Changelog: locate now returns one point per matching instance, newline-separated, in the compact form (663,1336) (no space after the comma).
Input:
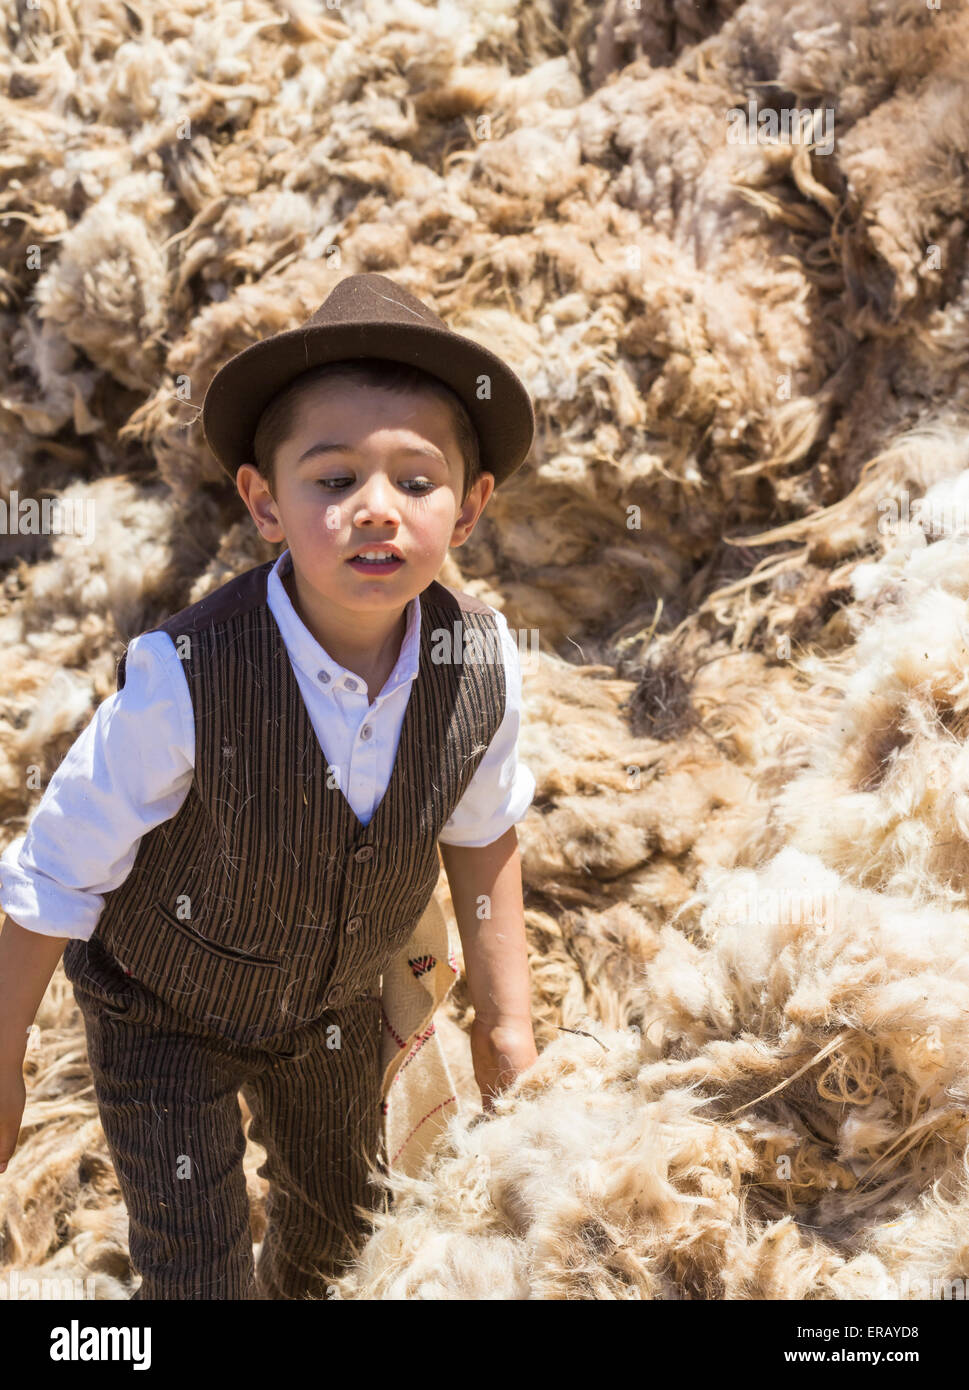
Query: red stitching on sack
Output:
(418,1125)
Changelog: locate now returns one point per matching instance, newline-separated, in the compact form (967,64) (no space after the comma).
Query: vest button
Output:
(365,731)
(364,853)
(335,995)
(351,683)
(354,924)
(324,676)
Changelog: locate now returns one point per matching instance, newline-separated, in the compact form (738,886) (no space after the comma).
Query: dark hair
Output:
(277,420)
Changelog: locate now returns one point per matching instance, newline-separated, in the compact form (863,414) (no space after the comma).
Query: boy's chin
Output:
(382,591)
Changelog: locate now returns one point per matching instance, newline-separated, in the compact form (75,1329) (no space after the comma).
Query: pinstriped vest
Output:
(264,902)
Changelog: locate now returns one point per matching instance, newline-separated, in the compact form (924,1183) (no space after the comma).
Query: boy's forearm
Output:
(28,959)
(486,889)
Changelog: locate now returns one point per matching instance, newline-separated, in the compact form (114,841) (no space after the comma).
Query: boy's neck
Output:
(368,644)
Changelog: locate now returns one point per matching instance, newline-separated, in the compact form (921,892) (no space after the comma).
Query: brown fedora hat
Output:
(370,315)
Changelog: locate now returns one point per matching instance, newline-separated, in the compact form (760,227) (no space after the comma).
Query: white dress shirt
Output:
(132,766)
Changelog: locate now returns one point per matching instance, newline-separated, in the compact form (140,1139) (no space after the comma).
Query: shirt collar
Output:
(315,661)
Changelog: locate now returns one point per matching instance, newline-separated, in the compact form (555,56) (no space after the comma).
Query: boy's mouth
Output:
(381,558)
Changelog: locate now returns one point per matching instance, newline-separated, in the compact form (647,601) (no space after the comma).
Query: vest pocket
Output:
(217,948)
(99,977)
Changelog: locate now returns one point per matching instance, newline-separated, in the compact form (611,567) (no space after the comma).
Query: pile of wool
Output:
(789,1122)
(714,334)
(742,358)
(782,1111)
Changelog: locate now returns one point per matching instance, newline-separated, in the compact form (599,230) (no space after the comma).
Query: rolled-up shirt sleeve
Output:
(502,788)
(130,769)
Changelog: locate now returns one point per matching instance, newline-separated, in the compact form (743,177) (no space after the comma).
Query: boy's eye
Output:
(423,483)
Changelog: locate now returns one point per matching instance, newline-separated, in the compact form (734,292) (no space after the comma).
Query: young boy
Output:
(261,803)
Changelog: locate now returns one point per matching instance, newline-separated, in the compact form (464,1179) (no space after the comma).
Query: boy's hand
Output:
(495,957)
(500,1049)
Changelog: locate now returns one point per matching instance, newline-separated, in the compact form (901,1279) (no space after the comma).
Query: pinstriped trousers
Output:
(167,1094)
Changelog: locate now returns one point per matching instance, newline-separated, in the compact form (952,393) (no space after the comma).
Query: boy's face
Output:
(390,471)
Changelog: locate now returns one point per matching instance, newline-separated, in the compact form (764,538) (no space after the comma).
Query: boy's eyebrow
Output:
(317,450)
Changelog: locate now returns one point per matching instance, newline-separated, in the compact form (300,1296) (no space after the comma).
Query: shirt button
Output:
(365,731)
(335,995)
(354,924)
(351,683)
(324,676)
(364,853)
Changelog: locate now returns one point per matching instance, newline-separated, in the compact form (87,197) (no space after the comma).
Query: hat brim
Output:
(498,404)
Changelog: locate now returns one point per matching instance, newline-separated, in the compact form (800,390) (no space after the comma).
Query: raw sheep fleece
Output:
(741,535)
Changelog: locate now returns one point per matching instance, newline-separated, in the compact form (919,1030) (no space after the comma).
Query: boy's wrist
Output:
(495,1018)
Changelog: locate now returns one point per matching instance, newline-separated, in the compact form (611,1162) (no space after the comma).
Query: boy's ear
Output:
(263,508)
(471,509)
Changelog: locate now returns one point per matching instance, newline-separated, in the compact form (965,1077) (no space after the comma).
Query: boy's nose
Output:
(376,499)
